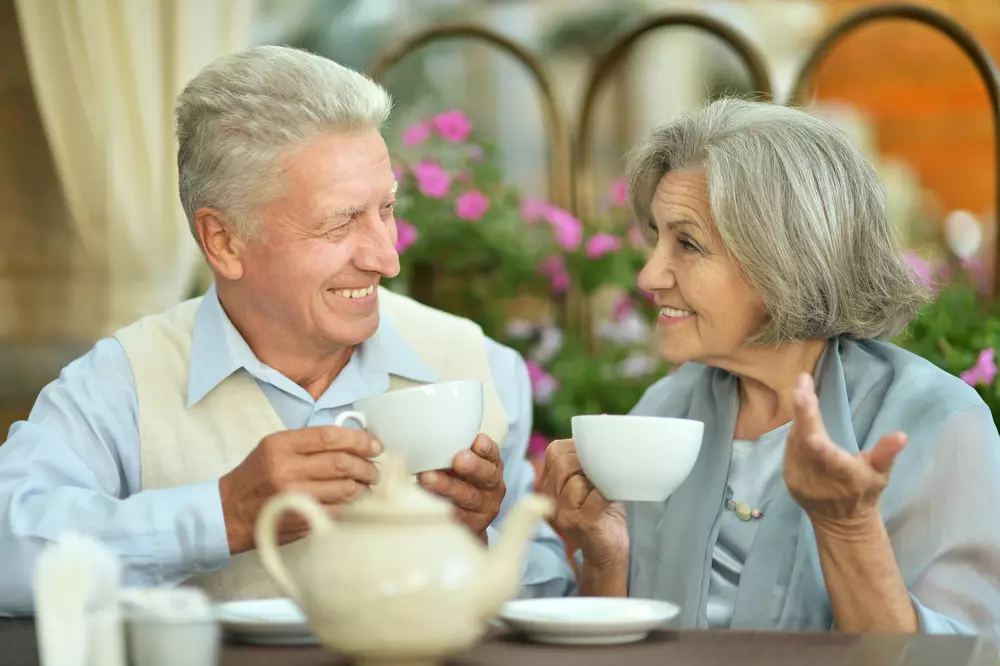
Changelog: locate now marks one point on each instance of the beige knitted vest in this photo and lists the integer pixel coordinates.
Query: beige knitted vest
(182, 446)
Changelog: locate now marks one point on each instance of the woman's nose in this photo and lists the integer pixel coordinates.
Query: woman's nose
(658, 273)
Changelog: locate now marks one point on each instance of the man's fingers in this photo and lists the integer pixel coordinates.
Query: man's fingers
(330, 493)
(481, 472)
(461, 493)
(332, 438)
(332, 465)
(487, 449)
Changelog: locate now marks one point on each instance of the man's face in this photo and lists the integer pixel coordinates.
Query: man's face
(326, 243)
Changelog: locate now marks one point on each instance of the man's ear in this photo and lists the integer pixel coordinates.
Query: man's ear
(221, 244)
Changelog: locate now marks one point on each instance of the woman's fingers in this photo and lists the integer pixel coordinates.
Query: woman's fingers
(883, 456)
(561, 464)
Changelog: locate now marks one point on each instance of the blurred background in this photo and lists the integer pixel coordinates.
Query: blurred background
(91, 235)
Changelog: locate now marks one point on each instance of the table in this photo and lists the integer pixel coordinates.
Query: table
(684, 648)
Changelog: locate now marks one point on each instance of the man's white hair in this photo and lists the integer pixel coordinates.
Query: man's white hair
(799, 209)
(244, 112)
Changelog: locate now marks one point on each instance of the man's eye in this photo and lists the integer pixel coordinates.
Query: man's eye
(337, 231)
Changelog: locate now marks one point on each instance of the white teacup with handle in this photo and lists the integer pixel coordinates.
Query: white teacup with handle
(427, 425)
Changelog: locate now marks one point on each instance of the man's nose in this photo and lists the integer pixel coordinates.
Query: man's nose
(375, 252)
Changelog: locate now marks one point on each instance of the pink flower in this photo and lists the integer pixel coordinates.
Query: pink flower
(406, 235)
(534, 209)
(453, 126)
(432, 180)
(975, 268)
(475, 153)
(537, 444)
(985, 369)
(416, 133)
(601, 244)
(635, 236)
(520, 329)
(619, 193)
(543, 385)
(568, 229)
(622, 307)
(637, 365)
(555, 268)
(472, 205)
(927, 273)
(550, 341)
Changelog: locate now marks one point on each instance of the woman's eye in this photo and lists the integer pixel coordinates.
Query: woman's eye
(689, 246)
(387, 210)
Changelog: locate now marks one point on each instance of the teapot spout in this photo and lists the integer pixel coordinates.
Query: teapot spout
(505, 562)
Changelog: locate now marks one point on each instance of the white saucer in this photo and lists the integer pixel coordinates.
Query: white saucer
(587, 620)
(265, 622)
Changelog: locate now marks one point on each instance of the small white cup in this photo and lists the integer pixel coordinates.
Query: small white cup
(154, 642)
(426, 425)
(636, 458)
(170, 627)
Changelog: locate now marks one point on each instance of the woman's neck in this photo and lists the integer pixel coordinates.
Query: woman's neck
(767, 378)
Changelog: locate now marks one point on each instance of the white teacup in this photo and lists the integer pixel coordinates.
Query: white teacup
(636, 458)
(426, 425)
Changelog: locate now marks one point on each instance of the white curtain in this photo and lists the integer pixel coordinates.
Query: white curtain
(106, 74)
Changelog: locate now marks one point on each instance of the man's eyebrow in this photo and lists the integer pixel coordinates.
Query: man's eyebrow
(392, 191)
(347, 212)
(358, 210)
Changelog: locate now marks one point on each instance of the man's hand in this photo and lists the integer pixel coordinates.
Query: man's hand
(331, 464)
(474, 484)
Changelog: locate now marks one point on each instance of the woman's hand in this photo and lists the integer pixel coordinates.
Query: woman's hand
(596, 525)
(838, 491)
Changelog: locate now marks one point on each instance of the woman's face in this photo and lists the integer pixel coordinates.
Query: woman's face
(707, 307)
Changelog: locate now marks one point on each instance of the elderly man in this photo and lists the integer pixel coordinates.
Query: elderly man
(166, 439)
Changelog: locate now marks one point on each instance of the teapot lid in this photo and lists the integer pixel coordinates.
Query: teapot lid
(397, 498)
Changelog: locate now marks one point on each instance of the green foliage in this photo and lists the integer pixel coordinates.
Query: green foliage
(954, 330)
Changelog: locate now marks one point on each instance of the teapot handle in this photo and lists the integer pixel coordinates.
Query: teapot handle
(266, 536)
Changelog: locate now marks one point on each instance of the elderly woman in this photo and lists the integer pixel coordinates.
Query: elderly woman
(778, 280)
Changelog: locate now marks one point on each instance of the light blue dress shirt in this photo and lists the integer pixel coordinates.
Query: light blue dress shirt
(75, 464)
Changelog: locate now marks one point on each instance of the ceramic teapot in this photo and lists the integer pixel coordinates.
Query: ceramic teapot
(396, 578)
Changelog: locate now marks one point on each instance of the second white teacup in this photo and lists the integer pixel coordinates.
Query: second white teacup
(636, 458)
(426, 425)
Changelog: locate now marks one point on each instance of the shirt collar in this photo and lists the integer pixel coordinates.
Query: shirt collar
(218, 350)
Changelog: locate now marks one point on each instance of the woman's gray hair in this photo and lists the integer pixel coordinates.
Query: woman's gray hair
(244, 112)
(800, 210)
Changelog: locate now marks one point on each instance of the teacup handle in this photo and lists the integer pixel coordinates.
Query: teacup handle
(351, 415)
(266, 536)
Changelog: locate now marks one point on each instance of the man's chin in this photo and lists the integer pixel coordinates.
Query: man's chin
(349, 331)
